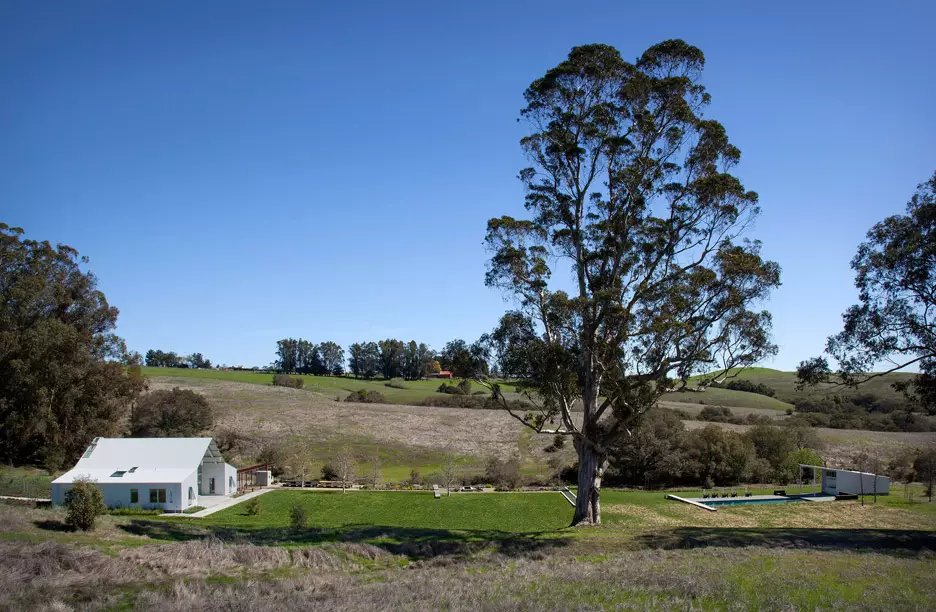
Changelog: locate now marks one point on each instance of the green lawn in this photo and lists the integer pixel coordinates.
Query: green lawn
(478, 512)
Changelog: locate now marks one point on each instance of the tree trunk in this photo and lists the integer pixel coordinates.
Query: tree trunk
(591, 468)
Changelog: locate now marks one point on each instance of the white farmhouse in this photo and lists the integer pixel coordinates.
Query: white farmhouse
(166, 473)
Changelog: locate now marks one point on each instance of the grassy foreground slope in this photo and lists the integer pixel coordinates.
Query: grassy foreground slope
(405, 551)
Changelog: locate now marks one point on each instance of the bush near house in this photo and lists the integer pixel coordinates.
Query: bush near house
(84, 502)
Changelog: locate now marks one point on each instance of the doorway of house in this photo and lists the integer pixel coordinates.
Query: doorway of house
(211, 486)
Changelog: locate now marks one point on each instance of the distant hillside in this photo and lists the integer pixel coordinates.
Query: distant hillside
(784, 383)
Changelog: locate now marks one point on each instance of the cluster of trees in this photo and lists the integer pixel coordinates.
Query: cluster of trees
(412, 361)
(166, 414)
(863, 411)
(170, 359)
(63, 372)
(298, 356)
(745, 385)
(662, 452)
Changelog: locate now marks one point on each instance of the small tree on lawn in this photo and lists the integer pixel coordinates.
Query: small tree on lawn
(925, 468)
(450, 472)
(345, 468)
(630, 192)
(84, 502)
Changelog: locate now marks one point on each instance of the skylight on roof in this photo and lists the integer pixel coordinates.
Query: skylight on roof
(133, 469)
(90, 450)
(117, 474)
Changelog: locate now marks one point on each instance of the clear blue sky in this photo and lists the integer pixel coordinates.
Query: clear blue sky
(239, 172)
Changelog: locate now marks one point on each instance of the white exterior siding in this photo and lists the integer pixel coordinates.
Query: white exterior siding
(230, 479)
(117, 495)
(190, 483)
(848, 481)
(209, 471)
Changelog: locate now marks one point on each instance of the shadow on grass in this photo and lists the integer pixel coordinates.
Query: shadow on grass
(898, 542)
(415, 543)
(53, 526)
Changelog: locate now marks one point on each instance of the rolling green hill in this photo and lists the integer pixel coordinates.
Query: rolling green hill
(784, 383)
(413, 392)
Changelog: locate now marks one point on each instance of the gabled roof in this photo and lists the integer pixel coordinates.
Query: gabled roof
(150, 459)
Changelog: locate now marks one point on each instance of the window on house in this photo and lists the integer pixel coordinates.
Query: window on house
(157, 496)
(134, 496)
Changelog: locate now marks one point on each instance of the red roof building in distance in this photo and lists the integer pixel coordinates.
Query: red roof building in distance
(442, 374)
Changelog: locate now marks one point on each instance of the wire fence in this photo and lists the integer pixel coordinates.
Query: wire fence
(18, 485)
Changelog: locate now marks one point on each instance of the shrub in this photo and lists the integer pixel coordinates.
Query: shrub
(746, 386)
(504, 474)
(281, 380)
(719, 414)
(298, 519)
(84, 502)
(395, 384)
(362, 396)
(415, 478)
(329, 472)
(557, 443)
(253, 506)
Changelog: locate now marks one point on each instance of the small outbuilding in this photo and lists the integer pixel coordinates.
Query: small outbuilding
(848, 482)
(166, 473)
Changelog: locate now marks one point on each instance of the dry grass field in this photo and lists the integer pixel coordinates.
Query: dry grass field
(418, 436)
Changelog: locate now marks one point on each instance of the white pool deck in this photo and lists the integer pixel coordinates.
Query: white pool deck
(712, 503)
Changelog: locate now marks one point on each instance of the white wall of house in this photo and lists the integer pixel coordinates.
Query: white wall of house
(230, 479)
(191, 482)
(216, 471)
(847, 481)
(119, 495)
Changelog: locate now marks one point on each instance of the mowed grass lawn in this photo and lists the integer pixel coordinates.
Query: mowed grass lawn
(468, 512)
(494, 515)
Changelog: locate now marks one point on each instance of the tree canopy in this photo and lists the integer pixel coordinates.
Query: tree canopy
(895, 319)
(630, 191)
(63, 374)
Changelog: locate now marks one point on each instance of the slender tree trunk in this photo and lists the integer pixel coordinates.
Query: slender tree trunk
(591, 469)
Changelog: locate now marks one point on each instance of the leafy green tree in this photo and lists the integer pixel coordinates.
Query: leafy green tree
(167, 414)
(332, 357)
(63, 378)
(653, 455)
(775, 445)
(392, 358)
(84, 502)
(895, 273)
(717, 456)
(197, 360)
(288, 355)
(630, 185)
(925, 469)
(418, 361)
